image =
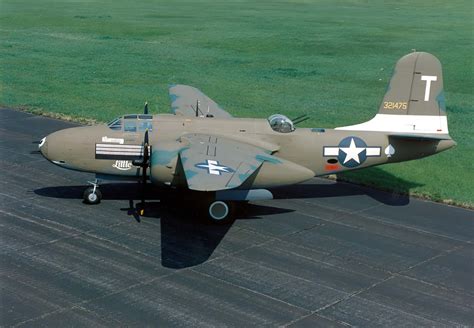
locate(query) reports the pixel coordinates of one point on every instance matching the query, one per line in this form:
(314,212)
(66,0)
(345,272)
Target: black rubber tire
(89,198)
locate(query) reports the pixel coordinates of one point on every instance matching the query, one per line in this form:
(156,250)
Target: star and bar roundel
(351,151)
(214,167)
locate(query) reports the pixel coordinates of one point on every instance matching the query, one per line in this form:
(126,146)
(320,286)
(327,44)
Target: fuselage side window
(132,123)
(130,126)
(145,125)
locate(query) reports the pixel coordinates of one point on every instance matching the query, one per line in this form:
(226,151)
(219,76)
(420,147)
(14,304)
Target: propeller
(144,163)
(196,109)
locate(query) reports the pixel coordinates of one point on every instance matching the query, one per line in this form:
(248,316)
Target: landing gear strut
(92,194)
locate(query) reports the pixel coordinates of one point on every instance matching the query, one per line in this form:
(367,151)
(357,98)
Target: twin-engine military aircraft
(227,160)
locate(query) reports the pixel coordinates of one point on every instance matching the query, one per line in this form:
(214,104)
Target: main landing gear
(217,211)
(221,212)
(92,194)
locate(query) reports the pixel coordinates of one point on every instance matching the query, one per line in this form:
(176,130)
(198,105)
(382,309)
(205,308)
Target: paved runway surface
(323,254)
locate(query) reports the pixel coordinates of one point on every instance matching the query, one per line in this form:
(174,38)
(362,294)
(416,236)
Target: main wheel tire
(91,197)
(220,212)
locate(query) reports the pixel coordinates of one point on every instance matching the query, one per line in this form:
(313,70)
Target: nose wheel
(92,194)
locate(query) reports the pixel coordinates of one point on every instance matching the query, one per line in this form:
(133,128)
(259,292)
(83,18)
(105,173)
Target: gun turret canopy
(281,123)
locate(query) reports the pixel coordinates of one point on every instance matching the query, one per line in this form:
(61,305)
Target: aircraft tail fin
(414,100)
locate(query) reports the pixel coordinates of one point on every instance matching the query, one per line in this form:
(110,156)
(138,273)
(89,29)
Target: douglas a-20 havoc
(227,160)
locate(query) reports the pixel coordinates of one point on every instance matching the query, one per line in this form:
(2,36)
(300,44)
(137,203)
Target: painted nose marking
(42,142)
(43,147)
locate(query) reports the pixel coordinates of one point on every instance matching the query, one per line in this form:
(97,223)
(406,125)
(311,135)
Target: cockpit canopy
(281,123)
(115,124)
(132,123)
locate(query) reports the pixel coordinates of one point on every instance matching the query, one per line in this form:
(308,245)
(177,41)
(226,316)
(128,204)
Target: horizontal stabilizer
(433,137)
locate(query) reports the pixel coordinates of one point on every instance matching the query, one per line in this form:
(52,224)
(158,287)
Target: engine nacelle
(163,162)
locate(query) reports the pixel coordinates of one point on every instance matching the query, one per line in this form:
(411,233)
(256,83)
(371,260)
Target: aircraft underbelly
(280,174)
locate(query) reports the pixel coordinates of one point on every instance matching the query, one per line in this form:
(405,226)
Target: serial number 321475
(395,105)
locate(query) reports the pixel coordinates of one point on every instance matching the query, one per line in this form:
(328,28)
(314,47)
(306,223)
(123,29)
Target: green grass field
(329,59)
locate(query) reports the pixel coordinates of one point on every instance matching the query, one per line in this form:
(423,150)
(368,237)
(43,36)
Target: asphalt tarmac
(323,254)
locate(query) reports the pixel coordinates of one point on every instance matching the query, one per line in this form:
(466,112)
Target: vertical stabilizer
(416,87)
(414,100)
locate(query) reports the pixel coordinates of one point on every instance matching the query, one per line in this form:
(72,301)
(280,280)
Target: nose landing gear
(92,195)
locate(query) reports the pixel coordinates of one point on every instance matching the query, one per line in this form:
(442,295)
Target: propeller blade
(142,205)
(145,138)
(145,110)
(145,164)
(133,212)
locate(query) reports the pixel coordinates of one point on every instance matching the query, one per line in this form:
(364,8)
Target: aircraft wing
(184,100)
(212,163)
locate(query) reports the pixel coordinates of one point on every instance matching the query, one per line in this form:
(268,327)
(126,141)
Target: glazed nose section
(43,147)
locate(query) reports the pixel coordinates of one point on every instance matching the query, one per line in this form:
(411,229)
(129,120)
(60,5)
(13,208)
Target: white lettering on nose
(428,79)
(122,165)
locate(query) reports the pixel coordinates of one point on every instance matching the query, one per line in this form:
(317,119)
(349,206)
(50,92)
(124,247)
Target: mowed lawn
(329,59)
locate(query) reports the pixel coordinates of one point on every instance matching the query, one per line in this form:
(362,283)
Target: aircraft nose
(68,147)
(43,147)
(53,146)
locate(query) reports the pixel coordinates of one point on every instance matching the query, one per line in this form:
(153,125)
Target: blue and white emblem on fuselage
(213,167)
(352,152)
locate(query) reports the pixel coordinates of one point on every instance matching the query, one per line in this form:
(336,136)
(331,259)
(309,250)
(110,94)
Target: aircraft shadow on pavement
(187,240)
(330,188)
(127,191)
